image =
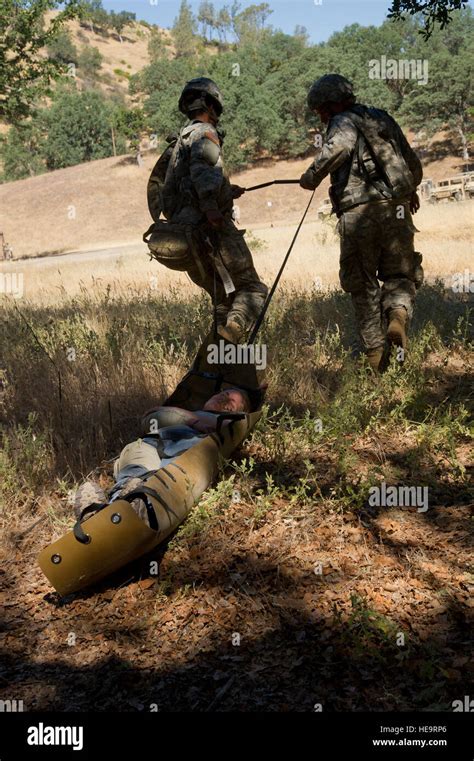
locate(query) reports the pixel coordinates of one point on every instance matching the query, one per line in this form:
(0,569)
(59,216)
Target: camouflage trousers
(245,303)
(377,245)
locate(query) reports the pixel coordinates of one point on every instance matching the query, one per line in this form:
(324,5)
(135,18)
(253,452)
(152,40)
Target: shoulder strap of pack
(381,183)
(390,184)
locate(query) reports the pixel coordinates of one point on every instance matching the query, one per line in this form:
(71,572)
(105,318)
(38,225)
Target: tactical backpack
(168,243)
(156,201)
(178,246)
(384,169)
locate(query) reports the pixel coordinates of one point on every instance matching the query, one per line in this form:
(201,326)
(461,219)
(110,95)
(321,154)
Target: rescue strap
(194,253)
(273,182)
(78,531)
(217,262)
(141,491)
(263,312)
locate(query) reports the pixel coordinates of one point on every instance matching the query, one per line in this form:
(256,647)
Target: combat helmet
(331,88)
(199,94)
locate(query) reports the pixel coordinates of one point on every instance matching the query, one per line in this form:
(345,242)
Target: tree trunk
(464,143)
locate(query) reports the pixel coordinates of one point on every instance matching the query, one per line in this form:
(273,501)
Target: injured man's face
(230,400)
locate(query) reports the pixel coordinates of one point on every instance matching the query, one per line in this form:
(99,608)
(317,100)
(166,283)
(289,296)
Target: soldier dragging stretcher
(374,176)
(190,187)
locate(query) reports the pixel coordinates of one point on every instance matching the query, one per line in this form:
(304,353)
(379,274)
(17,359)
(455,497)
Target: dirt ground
(241,619)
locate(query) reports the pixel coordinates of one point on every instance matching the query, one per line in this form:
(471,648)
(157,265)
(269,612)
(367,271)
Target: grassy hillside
(120,59)
(104,202)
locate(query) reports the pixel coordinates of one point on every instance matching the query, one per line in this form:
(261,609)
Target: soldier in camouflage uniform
(197,192)
(374,175)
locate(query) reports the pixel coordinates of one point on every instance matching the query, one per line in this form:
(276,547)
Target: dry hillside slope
(119,58)
(103,203)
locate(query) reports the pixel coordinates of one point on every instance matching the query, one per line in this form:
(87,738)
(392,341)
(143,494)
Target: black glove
(306,181)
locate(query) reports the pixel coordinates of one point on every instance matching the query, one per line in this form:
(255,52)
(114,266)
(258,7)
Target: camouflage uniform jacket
(356,177)
(196,181)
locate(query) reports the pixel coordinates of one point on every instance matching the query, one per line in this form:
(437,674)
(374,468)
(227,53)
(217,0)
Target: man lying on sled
(167,433)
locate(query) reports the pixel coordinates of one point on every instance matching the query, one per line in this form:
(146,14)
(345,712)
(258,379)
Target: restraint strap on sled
(78,531)
(263,312)
(229,416)
(141,492)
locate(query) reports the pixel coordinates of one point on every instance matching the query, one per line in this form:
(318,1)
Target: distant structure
(459,187)
(6,251)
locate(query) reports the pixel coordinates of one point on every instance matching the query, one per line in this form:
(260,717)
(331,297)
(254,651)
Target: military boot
(374,358)
(231,331)
(397,327)
(88,493)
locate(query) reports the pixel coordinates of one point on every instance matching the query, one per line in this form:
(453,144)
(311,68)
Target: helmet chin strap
(214,117)
(200,105)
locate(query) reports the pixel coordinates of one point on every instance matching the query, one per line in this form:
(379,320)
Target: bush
(62,49)
(121,73)
(90,62)
(78,127)
(21,151)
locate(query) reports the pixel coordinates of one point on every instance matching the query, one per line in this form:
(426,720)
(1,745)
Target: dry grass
(86,367)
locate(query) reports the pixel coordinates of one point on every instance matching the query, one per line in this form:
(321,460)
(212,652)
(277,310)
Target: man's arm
(164,417)
(167,416)
(338,145)
(206,170)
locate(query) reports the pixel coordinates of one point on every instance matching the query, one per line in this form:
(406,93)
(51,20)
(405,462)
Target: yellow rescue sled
(115,535)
